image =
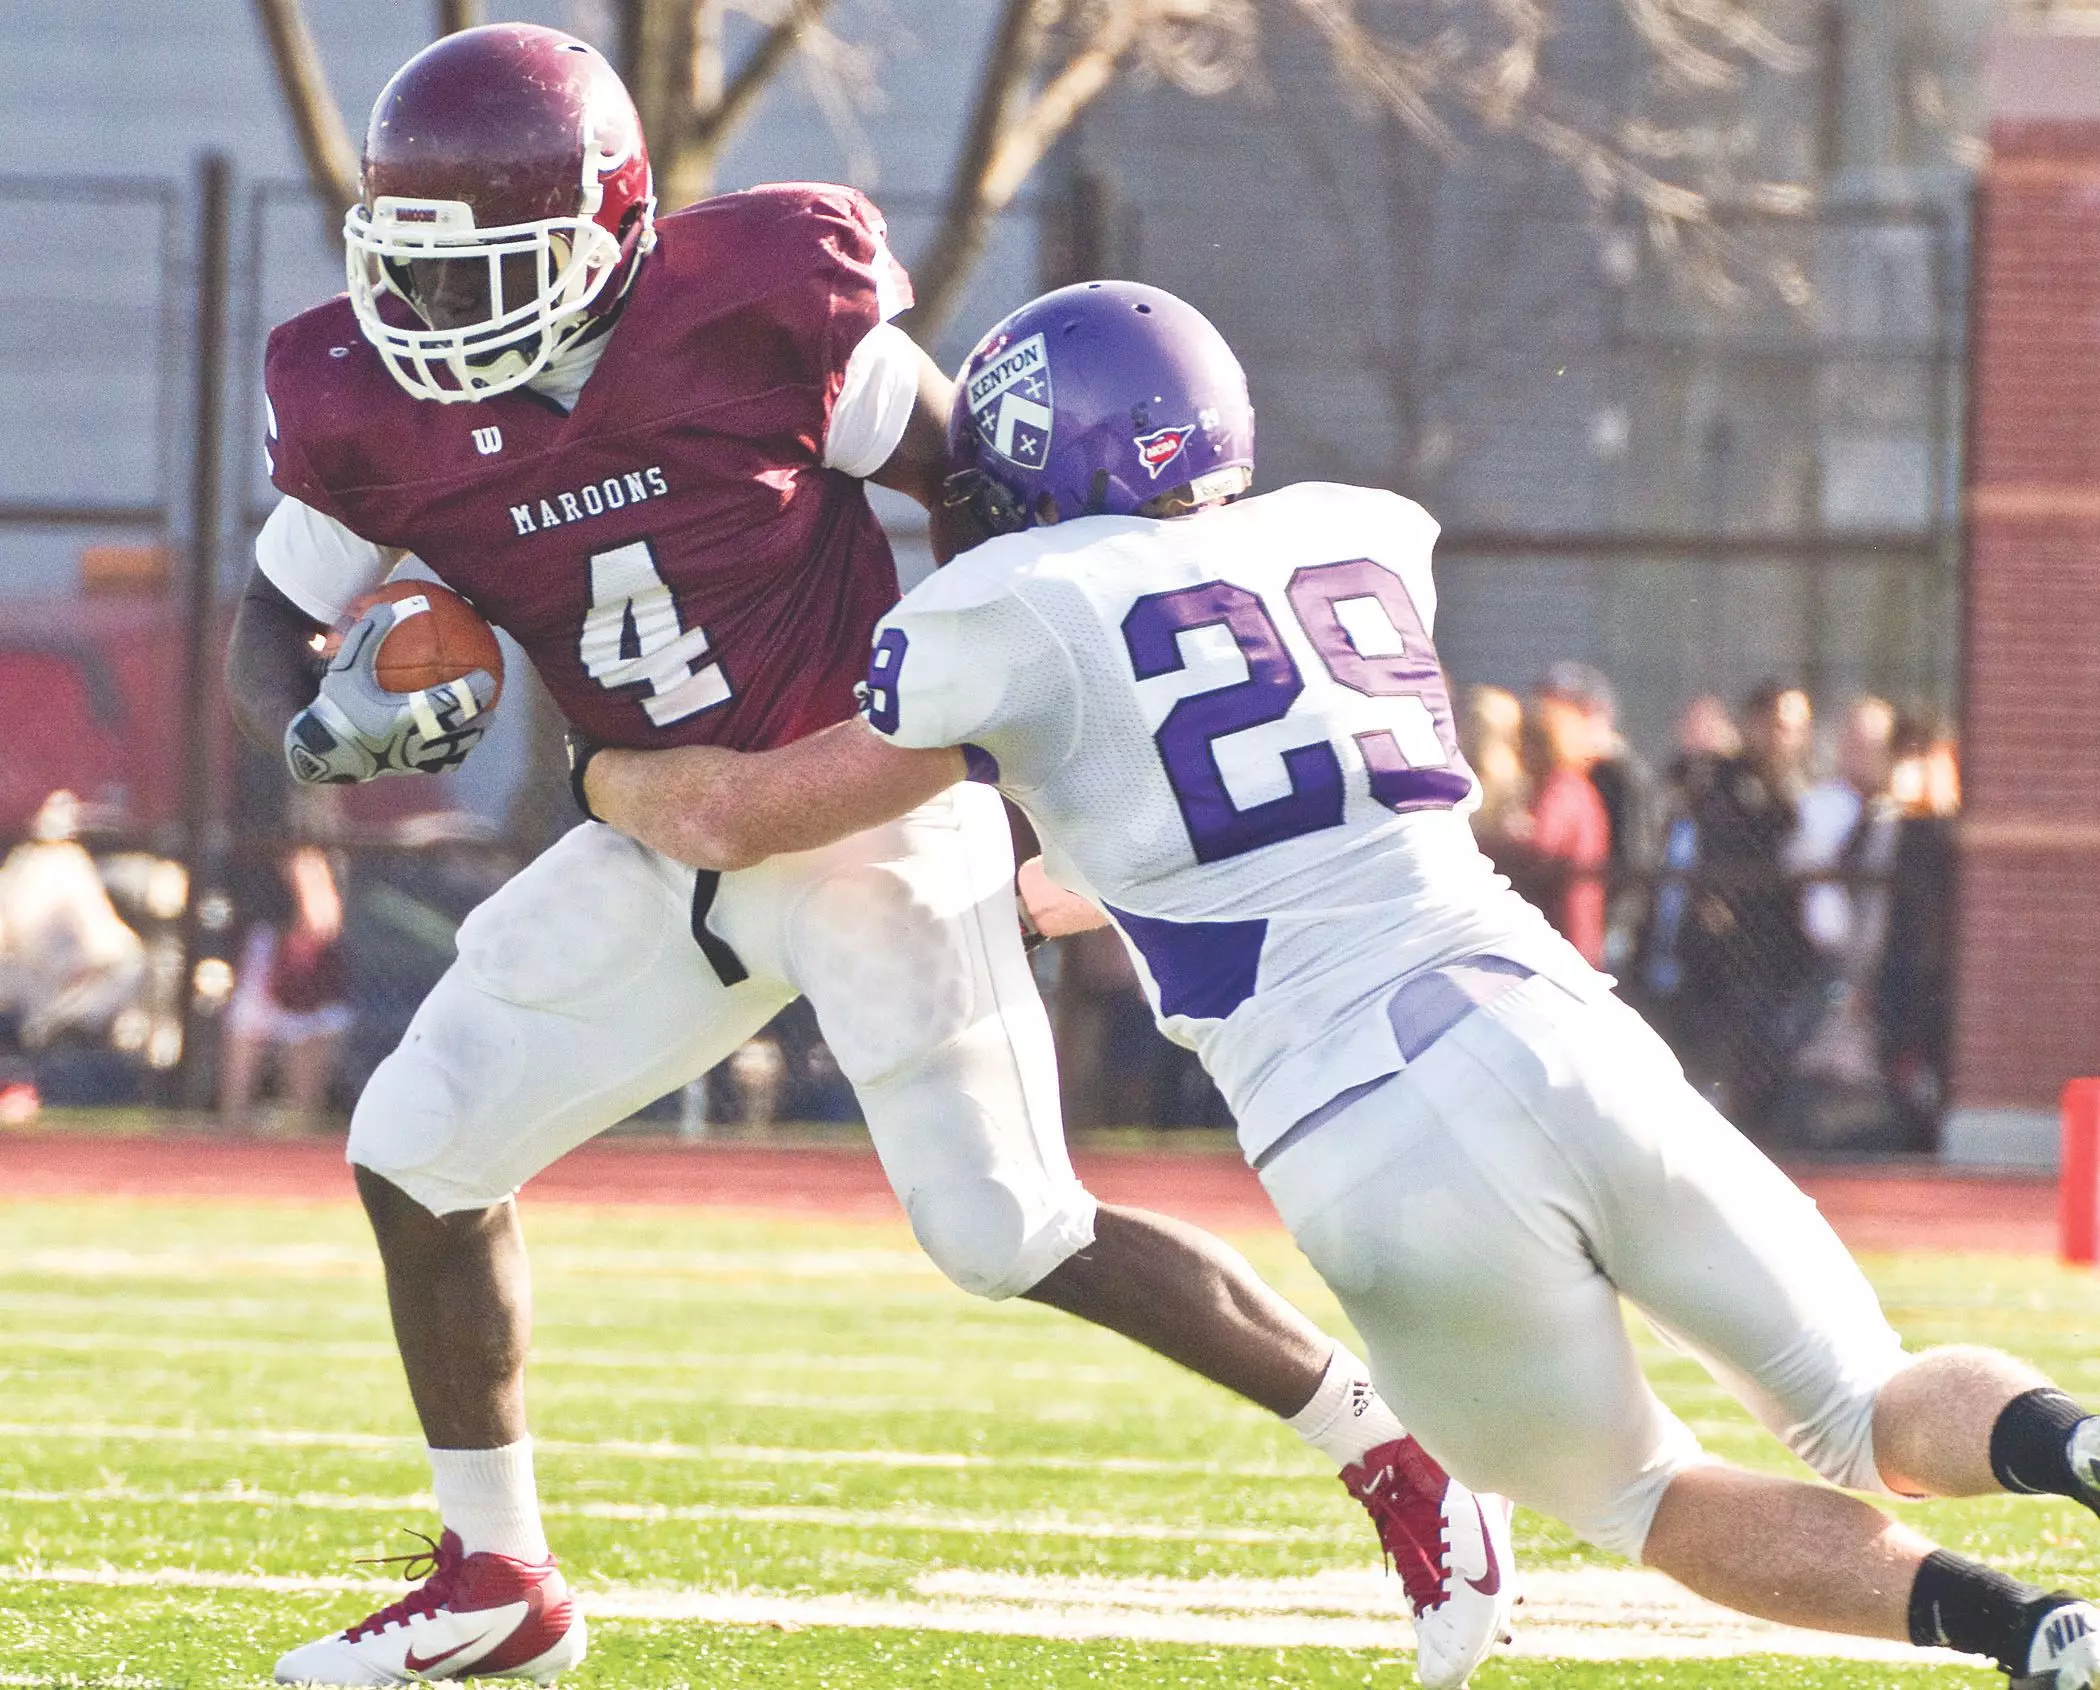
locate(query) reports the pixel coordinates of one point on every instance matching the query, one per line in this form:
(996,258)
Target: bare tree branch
(324,140)
(1700,44)
(1011,129)
(1082,80)
(671,59)
(757,71)
(656,46)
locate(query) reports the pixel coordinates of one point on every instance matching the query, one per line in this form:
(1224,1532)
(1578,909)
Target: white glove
(355,729)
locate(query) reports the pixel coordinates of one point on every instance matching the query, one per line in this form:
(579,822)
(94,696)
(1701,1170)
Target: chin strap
(984,503)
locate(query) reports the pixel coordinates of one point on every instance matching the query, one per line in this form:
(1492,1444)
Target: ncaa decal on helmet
(506,202)
(1105,398)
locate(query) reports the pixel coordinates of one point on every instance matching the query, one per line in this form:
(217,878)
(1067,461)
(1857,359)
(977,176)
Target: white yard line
(1580,1614)
(335,1261)
(942,1520)
(95,1432)
(652,1450)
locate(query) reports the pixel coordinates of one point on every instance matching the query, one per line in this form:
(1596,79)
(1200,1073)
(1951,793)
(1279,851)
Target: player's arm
(919,464)
(720,809)
(920,467)
(272,662)
(891,427)
(335,725)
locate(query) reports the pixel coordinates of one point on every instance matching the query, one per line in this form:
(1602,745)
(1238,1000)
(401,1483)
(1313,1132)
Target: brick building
(2028,1013)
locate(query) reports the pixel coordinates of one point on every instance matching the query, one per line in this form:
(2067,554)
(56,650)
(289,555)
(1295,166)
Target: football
(432,646)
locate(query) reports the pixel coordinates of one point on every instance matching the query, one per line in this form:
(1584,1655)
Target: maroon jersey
(672,554)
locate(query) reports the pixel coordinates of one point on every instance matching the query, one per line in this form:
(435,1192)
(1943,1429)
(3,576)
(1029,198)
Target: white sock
(1346,1418)
(488,1496)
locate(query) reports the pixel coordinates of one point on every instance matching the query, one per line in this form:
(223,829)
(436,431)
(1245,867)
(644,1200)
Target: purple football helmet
(1106,398)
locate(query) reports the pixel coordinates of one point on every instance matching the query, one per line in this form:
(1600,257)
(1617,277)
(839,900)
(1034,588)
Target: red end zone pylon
(2078,1189)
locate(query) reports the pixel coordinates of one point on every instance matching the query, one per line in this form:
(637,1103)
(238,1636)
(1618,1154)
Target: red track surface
(1872,1209)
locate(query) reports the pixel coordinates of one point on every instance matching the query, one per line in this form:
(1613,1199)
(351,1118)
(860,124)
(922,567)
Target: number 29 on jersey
(1360,621)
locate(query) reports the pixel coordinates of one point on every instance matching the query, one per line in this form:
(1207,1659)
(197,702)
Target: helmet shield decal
(1010,402)
(1150,416)
(1161,447)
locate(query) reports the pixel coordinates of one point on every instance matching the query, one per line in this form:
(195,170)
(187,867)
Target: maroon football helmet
(507,201)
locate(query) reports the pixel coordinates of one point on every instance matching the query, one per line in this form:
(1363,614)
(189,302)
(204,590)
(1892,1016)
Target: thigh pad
(578,925)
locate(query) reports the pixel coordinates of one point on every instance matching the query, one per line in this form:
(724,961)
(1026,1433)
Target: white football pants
(1481,1214)
(580,994)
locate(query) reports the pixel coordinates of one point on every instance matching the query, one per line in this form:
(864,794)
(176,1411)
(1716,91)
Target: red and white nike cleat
(474,1616)
(1451,1550)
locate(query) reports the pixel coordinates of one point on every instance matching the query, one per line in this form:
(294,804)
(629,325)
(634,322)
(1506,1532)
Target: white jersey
(1233,733)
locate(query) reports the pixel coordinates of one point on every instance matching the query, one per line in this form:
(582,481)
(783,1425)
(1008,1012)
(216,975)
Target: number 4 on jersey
(632,637)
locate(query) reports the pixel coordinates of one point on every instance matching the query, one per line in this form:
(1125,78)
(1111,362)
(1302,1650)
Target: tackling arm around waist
(720,809)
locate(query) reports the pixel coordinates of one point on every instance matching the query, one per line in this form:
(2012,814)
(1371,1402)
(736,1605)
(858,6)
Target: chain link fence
(153,953)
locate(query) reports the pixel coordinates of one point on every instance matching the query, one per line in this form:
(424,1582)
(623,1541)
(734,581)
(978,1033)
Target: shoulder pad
(980,575)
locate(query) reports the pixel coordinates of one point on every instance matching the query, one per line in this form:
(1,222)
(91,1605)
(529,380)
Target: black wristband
(581,751)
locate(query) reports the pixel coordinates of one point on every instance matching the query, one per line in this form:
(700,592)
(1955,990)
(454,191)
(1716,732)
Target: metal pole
(201,588)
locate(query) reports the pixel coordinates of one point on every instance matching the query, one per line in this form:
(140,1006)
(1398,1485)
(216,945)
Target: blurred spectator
(1626,784)
(1848,827)
(291,996)
(758,1074)
(1706,737)
(1491,736)
(1561,863)
(1725,963)
(68,962)
(1914,984)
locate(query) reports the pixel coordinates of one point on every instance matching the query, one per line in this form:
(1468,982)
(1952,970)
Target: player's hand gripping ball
(409,686)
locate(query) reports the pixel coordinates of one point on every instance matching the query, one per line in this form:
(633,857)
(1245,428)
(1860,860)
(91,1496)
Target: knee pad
(403,1130)
(994,1240)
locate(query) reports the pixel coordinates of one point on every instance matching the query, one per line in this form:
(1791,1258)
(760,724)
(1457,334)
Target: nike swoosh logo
(1489,1582)
(423,1663)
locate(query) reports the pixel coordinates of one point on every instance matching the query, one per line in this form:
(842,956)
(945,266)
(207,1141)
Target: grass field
(784,1454)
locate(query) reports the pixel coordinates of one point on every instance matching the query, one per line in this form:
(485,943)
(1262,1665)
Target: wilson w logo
(488,441)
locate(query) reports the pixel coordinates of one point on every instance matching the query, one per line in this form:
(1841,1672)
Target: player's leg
(1797,1553)
(1467,1215)
(579,994)
(905,943)
(908,949)
(1966,1421)
(1693,1224)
